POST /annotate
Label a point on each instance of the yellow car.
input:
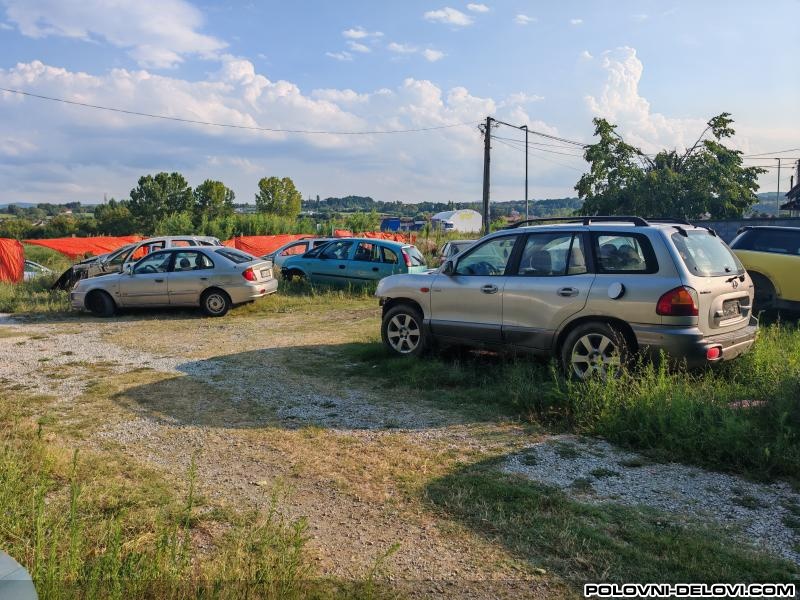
(771, 256)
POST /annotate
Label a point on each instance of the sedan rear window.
(706, 255)
(236, 256)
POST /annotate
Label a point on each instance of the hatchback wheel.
(402, 332)
(594, 350)
(215, 303)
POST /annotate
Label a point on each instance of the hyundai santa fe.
(592, 292)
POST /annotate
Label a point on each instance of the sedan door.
(467, 304)
(189, 277)
(551, 283)
(147, 283)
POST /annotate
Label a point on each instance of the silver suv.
(591, 291)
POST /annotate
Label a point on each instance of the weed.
(602, 473)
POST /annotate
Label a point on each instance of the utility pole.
(778, 197)
(487, 151)
(525, 127)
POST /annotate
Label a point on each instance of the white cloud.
(640, 17)
(55, 152)
(576, 21)
(358, 47)
(586, 55)
(5, 27)
(521, 98)
(359, 33)
(478, 8)
(620, 103)
(448, 16)
(156, 33)
(402, 48)
(341, 56)
(521, 19)
(432, 55)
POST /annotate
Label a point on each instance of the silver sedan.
(213, 278)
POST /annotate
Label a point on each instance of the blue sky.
(658, 69)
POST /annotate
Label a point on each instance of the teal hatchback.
(354, 260)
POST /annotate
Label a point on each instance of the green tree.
(114, 218)
(278, 197)
(178, 223)
(707, 179)
(213, 200)
(362, 221)
(157, 196)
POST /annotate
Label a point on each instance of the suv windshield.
(706, 255)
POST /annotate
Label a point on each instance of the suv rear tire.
(594, 349)
(402, 331)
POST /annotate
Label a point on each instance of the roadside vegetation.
(741, 417)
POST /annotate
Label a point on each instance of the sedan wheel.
(402, 331)
(215, 303)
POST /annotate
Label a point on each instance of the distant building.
(465, 220)
(793, 195)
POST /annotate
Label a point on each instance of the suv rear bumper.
(689, 344)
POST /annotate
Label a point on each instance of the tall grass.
(743, 417)
(33, 297)
(95, 544)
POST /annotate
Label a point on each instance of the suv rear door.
(468, 304)
(550, 283)
(723, 287)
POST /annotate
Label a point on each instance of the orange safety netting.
(259, 245)
(12, 261)
(79, 247)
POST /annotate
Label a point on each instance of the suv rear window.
(776, 241)
(706, 255)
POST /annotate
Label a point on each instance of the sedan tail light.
(678, 302)
(249, 274)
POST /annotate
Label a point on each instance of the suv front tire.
(402, 331)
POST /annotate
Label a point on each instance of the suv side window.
(624, 253)
(490, 258)
(552, 254)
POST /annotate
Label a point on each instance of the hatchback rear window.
(705, 255)
(775, 241)
(236, 256)
(417, 260)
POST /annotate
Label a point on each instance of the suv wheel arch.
(623, 326)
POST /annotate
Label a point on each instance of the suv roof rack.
(670, 221)
(588, 220)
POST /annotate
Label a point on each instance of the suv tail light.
(249, 274)
(406, 257)
(679, 302)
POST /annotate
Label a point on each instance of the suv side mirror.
(449, 267)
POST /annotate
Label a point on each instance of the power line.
(556, 162)
(773, 152)
(542, 134)
(521, 146)
(561, 146)
(231, 125)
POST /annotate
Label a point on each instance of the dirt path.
(350, 461)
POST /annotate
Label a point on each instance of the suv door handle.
(568, 292)
(489, 289)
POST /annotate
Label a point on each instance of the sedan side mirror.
(449, 267)
(128, 269)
